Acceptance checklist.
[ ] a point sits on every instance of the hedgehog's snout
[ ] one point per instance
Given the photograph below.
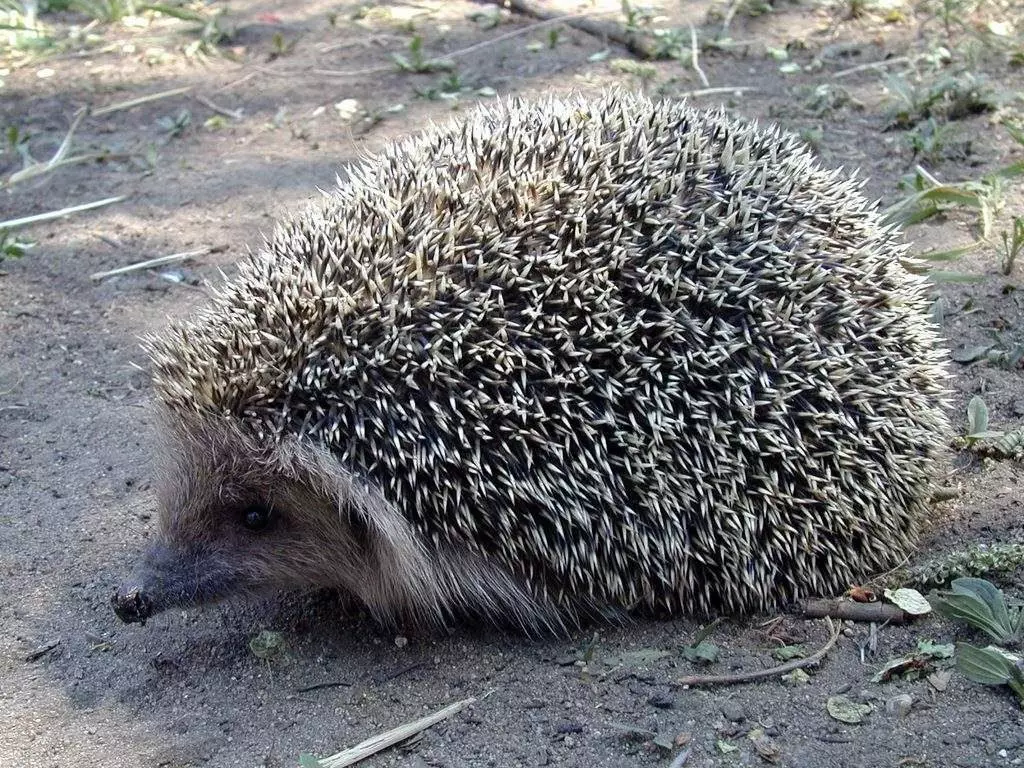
(131, 604)
(170, 577)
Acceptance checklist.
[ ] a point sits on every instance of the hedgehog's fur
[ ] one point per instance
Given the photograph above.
(563, 354)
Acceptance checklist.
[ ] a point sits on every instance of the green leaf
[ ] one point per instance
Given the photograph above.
(701, 653)
(971, 354)
(788, 652)
(935, 650)
(846, 711)
(968, 608)
(1010, 171)
(989, 594)
(983, 665)
(977, 417)
(950, 255)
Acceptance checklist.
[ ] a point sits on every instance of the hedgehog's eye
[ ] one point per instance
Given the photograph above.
(256, 517)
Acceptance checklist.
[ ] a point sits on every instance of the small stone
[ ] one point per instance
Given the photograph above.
(733, 711)
(401, 642)
(899, 705)
(662, 701)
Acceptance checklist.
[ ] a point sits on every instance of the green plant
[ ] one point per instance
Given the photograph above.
(991, 666)
(929, 140)
(951, 97)
(979, 560)
(108, 11)
(175, 125)
(977, 422)
(417, 62)
(1013, 243)
(931, 197)
(983, 606)
(11, 246)
(635, 16)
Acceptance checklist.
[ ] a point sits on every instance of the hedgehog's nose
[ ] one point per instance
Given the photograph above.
(131, 604)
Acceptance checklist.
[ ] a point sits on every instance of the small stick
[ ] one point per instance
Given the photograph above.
(375, 744)
(42, 650)
(141, 100)
(584, 22)
(693, 57)
(712, 91)
(157, 262)
(851, 611)
(682, 757)
(321, 686)
(234, 114)
(547, 22)
(13, 223)
(39, 168)
(761, 674)
(243, 79)
(729, 14)
(871, 65)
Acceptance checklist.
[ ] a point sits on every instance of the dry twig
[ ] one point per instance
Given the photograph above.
(375, 744)
(761, 674)
(157, 262)
(14, 223)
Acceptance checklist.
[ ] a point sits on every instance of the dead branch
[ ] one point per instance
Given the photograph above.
(848, 610)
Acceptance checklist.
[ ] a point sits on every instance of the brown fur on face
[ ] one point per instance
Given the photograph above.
(327, 529)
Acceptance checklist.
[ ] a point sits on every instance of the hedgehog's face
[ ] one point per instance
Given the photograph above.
(236, 518)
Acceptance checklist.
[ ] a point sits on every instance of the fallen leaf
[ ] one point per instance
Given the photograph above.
(267, 644)
(846, 711)
(796, 677)
(702, 653)
(765, 747)
(909, 600)
(939, 680)
(788, 653)
(935, 650)
(725, 747)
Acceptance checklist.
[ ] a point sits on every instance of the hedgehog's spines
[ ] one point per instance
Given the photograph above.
(626, 349)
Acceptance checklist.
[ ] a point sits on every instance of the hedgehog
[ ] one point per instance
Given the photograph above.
(563, 357)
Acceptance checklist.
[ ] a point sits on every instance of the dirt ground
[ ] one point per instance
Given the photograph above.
(269, 120)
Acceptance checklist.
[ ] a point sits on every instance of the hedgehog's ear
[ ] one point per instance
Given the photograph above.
(380, 528)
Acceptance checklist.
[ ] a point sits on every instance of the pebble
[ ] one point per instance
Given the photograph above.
(733, 711)
(662, 701)
(899, 705)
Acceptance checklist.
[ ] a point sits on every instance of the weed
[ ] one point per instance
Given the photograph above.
(635, 17)
(645, 72)
(174, 126)
(107, 11)
(952, 97)
(12, 246)
(931, 197)
(981, 605)
(279, 46)
(932, 140)
(1013, 243)
(417, 62)
(979, 560)
(977, 422)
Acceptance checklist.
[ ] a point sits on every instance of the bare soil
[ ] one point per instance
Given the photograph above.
(75, 479)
